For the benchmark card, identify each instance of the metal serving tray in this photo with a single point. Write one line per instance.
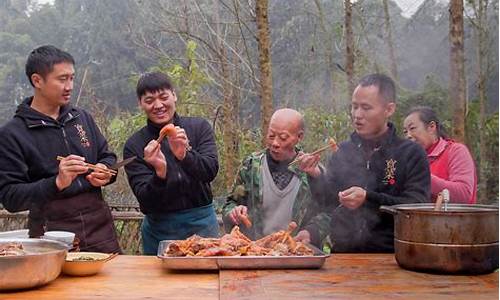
(315, 261)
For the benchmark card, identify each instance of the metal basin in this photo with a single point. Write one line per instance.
(41, 264)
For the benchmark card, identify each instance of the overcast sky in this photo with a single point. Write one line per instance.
(408, 6)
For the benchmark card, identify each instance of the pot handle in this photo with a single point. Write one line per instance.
(388, 209)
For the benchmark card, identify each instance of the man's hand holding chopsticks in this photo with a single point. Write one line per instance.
(309, 163)
(98, 177)
(69, 168)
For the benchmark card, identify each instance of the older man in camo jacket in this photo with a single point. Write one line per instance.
(271, 193)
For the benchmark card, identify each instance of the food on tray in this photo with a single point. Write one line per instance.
(236, 243)
(12, 249)
(246, 221)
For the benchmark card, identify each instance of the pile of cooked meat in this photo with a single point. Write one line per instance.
(11, 249)
(236, 243)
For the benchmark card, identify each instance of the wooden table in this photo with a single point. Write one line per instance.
(355, 276)
(344, 276)
(128, 277)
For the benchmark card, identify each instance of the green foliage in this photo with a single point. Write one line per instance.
(122, 126)
(189, 80)
(13, 48)
(249, 141)
(489, 163)
(321, 125)
(432, 94)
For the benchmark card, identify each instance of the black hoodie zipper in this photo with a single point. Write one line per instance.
(368, 162)
(65, 138)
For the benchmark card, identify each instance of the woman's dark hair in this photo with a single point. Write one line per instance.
(153, 82)
(428, 115)
(42, 60)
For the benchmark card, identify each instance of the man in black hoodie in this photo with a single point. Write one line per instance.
(375, 167)
(63, 195)
(171, 178)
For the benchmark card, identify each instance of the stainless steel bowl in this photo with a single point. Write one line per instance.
(41, 264)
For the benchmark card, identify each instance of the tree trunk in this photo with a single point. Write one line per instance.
(481, 33)
(229, 119)
(371, 49)
(234, 137)
(329, 52)
(349, 48)
(389, 41)
(230, 110)
(457, 73)
(266, 83)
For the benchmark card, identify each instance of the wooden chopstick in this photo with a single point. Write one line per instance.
(318, 151)
(111, 256)
(110, 171)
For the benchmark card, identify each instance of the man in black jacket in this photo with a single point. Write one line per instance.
(171, 179)
(375, 167)
(63, 195)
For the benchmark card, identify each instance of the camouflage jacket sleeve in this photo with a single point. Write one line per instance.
(239, 192)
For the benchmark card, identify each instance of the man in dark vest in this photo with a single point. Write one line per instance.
(60, 195)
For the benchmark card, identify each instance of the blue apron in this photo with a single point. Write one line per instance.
(178, 225)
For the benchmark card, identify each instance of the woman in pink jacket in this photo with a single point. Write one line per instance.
(451, 163)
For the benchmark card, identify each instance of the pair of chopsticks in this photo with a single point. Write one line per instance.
(109, 171)
(331, 145)
(110, 257)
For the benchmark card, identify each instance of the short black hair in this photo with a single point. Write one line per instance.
(385, 84)
(42, 60)
(153, 82)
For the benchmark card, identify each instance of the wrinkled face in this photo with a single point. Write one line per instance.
(416, 130)
(159, 106)
(56, 87)
(282, 136)
(369, 112)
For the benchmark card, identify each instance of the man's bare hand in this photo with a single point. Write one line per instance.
(353, 197)
(236, 214)
(99, 178)
(69, 168)
(179, 143)
(303, 236)
(309, 164)
(156, 158)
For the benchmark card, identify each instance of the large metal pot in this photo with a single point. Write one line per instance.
(463, 239)
(41, 264)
